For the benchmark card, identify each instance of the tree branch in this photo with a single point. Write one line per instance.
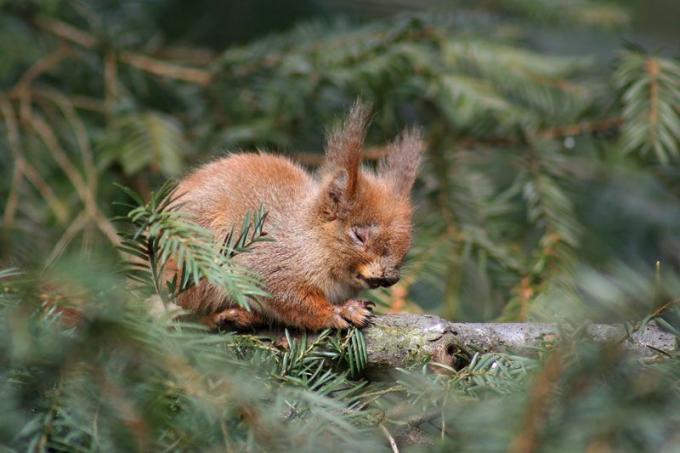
(403, 339)
(151, 65)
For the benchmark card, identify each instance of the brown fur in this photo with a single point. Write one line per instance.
(315, 266)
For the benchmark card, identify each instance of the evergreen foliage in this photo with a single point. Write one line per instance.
(162, 233)
(550, 192)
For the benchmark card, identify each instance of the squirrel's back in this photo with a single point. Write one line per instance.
(219, 194)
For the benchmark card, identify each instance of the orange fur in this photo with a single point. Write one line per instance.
(315, 265)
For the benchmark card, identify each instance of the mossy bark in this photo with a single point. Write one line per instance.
(405, 339)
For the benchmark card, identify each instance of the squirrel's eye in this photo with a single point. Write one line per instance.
(359, 234)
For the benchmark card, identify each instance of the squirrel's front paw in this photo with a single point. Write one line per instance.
(358, 312)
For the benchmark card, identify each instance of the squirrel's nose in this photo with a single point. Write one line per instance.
(384, 281)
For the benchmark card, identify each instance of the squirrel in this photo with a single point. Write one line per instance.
(334, 234)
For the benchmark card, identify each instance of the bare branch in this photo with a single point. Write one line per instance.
(397, 340)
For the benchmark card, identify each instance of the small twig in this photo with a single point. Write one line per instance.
(49, 138)
(390, 439)
(87, 103)
(41, 66)
(551, 133)
(164, 69)
(124, 408)
(556, 83)
(652, 68)
(143, 62)
(443, 430)
(420, 419)
(51, 415)
(639, 325)
(51, 142)
(13, 196)
(539, 400)
(60, 210)
(69, 234)
(25, 169)
(192, 55)
(581, 128)
(66, 32)
(370, 397)
(661, 308)
(68, 110)
(19, 162)
(110, 82)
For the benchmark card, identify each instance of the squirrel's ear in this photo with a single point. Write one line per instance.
(344, 146)
(403, 158)
(335, 197)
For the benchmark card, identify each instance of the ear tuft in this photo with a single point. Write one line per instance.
(334, 200)
(400, 166)
(337, 188)
(345, 143)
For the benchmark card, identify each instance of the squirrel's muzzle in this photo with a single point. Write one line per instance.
(376, 275)
(384, 281)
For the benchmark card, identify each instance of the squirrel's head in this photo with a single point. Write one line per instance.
(365, 216)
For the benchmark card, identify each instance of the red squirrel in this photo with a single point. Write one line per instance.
(334, 234)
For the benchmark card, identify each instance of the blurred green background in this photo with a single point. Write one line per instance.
(550, 192)
(544, 155)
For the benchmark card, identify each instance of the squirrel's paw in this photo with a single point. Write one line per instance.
(236, 316)
(357, 312)
(337, 321)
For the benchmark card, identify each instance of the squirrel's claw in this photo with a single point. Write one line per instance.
(357, 311)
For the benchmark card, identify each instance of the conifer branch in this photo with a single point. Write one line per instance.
(140, 61)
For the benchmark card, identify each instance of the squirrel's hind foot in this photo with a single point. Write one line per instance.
(234, 316)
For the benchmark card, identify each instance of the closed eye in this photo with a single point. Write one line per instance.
(359, 234)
